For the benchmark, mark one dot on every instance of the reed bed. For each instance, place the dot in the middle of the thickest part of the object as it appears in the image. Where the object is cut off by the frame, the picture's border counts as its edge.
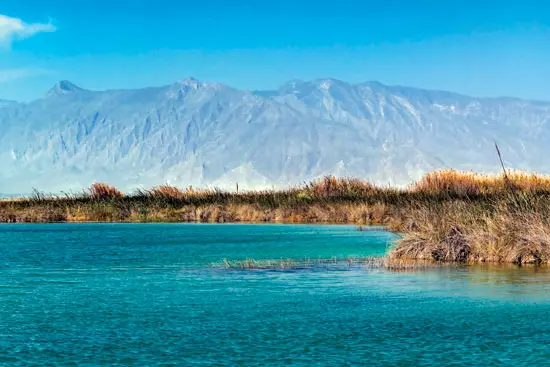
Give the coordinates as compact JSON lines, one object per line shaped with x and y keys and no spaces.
{"x":100,"y":191}
{"x":306,"y":263}
{"x":468,"y":184}
{"x":447,"y":216}
{"x":368,"y":262}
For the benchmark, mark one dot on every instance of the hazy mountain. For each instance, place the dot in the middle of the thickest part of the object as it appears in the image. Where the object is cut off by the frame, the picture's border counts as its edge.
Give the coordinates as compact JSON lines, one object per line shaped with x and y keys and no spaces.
{"x":4,"y":103}
{"x":194,"y":133}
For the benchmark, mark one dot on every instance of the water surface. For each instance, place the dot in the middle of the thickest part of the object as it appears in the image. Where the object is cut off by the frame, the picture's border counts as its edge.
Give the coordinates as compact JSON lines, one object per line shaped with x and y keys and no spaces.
{"x":148,"y":295}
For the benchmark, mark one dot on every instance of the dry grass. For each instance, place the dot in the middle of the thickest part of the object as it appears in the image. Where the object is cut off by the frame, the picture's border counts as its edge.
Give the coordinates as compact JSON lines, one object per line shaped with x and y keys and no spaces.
{"x":368,"y":262}
{"x":464,"y":184}
{"x":167,"y":191}
{"x":514,"y":228}
{"x":102,"y":191}
{"x":447,"y":216}
{"x":306,"y":263}
{"x":330,"y":186}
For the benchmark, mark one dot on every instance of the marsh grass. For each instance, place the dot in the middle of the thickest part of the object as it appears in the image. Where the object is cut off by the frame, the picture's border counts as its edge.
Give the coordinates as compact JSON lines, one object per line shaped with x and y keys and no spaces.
{"x":306,"y":263}
{"x":447,"y":216}
{"x":470,"y":184}
{"x":369,"y":262}
{"x":100,"y":191}
{"x":512,"y":229}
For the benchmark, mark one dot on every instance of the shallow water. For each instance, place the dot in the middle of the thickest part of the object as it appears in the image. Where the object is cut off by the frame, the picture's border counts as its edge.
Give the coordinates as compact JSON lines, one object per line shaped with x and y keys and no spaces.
{"x":148,"y":294}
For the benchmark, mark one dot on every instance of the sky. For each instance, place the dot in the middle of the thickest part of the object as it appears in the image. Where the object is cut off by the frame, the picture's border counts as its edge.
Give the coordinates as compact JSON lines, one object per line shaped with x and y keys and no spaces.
{"x":481,"y":48}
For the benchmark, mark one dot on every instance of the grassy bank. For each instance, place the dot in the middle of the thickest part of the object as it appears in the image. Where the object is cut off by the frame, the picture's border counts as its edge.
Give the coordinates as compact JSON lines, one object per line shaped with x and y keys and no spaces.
{"x":447,"y":216}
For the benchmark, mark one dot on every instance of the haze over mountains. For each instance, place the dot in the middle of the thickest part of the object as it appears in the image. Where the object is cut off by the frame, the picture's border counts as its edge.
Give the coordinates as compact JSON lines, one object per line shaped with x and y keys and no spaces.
{"x":4,"y":103}
{"x":209,"y":134}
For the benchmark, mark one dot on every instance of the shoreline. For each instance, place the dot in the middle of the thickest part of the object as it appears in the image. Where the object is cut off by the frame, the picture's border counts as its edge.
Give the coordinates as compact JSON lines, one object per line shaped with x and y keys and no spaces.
{"x":366,"y":228}
{"x":445,"y":217}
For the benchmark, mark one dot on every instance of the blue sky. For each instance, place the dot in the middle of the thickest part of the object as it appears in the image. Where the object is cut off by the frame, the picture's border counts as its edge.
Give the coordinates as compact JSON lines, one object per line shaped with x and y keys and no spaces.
{"x":483,"y":48}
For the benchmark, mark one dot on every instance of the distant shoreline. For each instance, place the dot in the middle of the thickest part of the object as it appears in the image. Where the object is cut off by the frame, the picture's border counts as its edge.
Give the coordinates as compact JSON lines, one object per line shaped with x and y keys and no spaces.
{"x":447,"y":216}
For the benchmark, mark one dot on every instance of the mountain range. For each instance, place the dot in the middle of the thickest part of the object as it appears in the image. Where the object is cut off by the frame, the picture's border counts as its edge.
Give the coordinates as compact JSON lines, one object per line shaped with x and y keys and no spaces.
{"x":210,"y":134}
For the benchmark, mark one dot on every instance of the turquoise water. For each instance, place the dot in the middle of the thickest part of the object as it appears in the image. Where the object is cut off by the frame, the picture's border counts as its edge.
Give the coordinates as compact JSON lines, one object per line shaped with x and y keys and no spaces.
{"x":149,"y":295}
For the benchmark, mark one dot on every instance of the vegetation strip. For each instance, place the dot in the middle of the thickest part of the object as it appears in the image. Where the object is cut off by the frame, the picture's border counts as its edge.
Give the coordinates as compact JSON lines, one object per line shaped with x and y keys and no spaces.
{"x":447,"y":216}
{"x":334,"y":262}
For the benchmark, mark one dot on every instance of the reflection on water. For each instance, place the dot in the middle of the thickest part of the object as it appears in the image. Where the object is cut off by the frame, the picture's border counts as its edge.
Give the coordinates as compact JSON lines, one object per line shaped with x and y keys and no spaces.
{"x":487,"y":280}
{"x":147,"y":295}
{"x":509,"y":274}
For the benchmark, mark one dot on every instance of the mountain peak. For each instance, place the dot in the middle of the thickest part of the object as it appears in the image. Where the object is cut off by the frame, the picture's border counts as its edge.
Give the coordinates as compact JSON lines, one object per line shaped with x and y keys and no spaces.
{"x":190,"y":82}
{"x":299,"y":87}
{"x":327,"y":83}
{"x":64,"y":87}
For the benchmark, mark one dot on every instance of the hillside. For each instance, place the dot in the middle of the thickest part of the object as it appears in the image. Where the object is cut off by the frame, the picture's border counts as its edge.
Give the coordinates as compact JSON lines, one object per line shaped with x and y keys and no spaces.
{"x":209,"y":134}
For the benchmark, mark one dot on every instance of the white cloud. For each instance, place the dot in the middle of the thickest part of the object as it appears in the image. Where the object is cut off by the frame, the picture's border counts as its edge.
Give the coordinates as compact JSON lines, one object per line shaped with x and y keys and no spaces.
{"x":8,"y":75}
{"x":13,"y":29}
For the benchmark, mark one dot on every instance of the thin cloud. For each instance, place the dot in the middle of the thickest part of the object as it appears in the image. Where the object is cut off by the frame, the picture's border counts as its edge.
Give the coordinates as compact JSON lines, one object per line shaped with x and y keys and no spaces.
{"x":8,"y":75}
{"x":12,"y":29}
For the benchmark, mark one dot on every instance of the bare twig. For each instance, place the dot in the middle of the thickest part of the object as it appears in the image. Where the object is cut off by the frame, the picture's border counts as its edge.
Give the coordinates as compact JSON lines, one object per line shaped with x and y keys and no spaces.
{"x":506,"y":178}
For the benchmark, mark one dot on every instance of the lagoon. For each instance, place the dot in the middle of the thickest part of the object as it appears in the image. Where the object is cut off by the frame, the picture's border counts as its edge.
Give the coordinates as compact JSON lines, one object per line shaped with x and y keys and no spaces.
{"x":156,"y":295}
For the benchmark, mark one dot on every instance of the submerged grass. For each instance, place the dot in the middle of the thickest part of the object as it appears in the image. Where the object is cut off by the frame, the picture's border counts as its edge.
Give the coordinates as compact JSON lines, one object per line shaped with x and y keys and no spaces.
{"x":447,"y":216}
{"x":369,"y":262}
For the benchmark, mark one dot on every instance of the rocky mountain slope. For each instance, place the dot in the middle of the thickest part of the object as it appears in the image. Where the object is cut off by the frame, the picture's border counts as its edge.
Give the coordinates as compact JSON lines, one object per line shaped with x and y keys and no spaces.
{"x":209,"y":134}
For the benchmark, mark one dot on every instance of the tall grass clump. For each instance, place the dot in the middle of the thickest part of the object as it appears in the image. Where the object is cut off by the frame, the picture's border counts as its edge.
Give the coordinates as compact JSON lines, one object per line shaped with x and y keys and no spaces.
{"x":469,"y":184}
{"x":168,"y":192}
{"x":102,"y":191}
{"x":500,"y":218}
{"x":330,"y":186}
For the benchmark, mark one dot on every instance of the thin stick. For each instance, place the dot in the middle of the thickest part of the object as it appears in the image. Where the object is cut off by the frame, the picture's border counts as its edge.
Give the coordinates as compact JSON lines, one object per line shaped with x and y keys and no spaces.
{"x":508,"y":182}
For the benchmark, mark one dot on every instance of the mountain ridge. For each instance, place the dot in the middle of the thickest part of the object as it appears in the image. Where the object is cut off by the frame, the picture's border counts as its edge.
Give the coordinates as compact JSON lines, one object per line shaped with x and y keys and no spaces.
{"x":210,"y":134}
{"x":365,"y":83}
